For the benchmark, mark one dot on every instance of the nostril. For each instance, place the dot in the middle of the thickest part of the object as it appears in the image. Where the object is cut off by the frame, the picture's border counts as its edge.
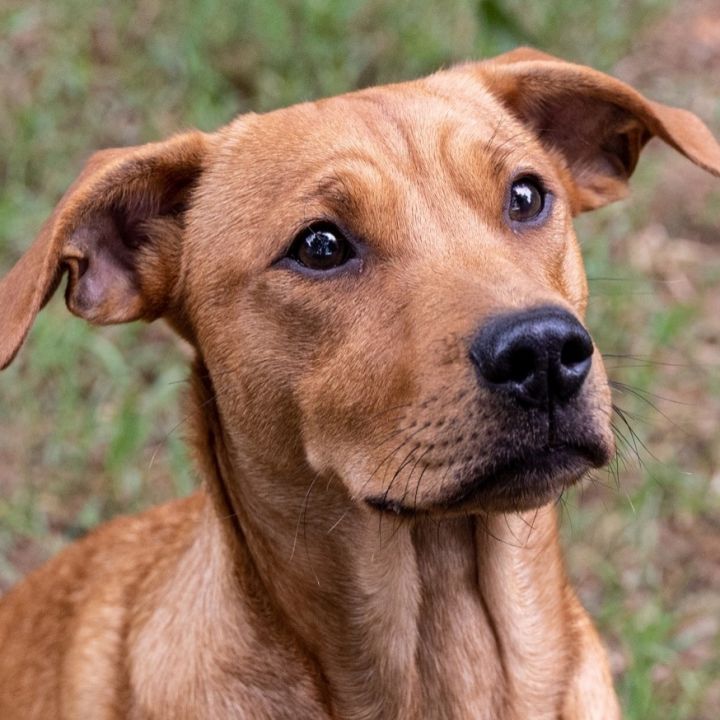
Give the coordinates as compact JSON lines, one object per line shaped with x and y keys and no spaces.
{"x":520,"y":365}
{"x":575,"y":351}
{"x":574,"y":364}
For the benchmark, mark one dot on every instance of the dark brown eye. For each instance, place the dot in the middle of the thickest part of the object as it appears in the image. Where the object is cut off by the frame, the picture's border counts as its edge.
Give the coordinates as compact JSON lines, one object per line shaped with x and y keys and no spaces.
{"x":321,"y":247}
{"x":527,"y":199}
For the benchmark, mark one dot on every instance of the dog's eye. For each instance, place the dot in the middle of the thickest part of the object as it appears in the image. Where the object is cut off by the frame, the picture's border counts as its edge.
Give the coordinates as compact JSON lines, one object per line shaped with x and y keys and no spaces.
{"x":321,"y":246}
{"x":527,"y":199}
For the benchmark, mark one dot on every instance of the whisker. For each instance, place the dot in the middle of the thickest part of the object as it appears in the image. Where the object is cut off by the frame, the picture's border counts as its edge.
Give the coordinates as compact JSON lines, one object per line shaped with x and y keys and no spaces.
{"x":644,"y":394}
{"x":302,"y":514}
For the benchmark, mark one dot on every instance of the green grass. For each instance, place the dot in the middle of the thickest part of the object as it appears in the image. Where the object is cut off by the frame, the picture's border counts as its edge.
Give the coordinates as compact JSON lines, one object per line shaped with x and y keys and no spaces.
{"x":91,"y":419}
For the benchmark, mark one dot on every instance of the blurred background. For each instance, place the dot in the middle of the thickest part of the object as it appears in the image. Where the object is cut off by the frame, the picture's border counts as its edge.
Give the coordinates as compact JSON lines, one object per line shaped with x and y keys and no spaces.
{"x":91,"y":420}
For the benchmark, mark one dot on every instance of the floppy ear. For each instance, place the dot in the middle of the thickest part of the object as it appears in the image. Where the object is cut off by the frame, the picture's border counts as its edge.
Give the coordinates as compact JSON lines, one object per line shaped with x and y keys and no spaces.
{"x":596,"y":123}
{"x":117,"y":231}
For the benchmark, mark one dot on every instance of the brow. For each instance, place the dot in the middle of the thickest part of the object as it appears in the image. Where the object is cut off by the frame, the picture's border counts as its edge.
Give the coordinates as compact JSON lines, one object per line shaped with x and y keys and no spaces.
{"x":342,"y":190}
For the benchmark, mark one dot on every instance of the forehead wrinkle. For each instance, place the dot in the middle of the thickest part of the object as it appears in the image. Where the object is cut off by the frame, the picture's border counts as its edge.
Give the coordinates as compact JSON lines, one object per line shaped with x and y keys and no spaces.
{"x":341,"y":174}
{"x":393,"y":122}
{"x":459,"y":168}
{"x":334,"y":192}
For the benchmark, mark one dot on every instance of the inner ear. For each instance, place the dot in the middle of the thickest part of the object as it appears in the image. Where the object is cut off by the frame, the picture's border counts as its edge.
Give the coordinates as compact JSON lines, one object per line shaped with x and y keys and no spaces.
{"x":123,"y":248}
{"x":599,"y":142}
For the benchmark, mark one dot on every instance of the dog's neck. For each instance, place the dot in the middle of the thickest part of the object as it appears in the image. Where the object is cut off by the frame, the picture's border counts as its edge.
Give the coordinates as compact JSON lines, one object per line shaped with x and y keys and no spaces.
{"x":398,"y":616}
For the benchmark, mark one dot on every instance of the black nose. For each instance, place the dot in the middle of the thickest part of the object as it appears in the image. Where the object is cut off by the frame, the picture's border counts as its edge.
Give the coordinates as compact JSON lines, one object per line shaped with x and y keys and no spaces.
{"x":537,"y":356}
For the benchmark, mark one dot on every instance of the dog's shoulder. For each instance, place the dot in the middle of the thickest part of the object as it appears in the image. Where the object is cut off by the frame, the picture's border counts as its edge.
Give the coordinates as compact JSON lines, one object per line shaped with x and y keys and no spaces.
{"x":88,"y":587}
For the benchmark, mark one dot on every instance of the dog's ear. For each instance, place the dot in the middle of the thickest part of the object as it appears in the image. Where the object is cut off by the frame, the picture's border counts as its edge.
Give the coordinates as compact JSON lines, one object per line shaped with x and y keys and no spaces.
{"x":597,"y":123}
{"x":117,"y":231}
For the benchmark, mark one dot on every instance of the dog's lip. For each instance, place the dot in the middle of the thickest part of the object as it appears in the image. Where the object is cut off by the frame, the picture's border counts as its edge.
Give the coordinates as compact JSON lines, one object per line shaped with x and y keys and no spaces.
{"x":525,"y":481}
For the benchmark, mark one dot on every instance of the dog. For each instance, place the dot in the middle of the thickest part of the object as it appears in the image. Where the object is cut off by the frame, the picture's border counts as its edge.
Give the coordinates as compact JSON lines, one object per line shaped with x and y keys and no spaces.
{"x":392,"y":386}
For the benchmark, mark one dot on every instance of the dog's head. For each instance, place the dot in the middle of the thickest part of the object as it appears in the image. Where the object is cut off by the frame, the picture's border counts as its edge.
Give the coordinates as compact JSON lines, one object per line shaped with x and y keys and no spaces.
{"x":384,"y":287}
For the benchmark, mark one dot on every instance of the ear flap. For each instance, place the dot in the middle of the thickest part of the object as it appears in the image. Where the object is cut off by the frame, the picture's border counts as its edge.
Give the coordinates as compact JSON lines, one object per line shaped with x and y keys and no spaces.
{"x":596,"y":123}
{"x":117,"y":231}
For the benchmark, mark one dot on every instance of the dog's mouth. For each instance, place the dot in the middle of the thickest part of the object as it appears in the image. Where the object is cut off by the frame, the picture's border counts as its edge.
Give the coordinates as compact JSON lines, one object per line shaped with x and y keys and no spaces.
{"x":511,"y":483}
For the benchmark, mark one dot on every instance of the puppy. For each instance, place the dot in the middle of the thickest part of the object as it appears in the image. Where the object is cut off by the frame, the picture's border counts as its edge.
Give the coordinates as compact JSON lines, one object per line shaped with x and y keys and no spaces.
{"x":392,"y":387}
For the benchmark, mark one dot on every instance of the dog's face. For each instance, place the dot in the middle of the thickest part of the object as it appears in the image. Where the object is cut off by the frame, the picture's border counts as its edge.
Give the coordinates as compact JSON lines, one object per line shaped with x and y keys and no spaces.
{"x":385,"y":287}
{"x":350,"y":295}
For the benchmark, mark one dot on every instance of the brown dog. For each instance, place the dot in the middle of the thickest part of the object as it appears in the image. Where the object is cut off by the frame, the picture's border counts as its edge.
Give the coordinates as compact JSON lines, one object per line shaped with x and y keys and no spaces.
{"x":392,"y":387}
